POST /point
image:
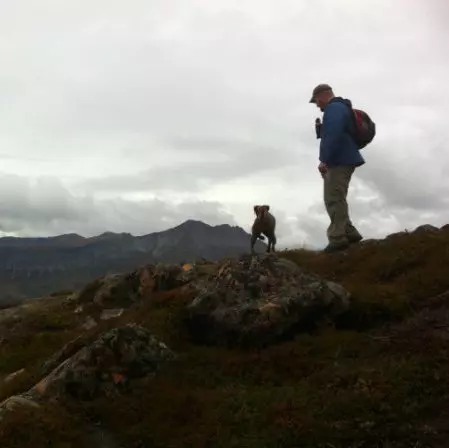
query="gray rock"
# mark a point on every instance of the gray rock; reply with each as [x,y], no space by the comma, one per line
[371,241]
[78,309]
[396,235]
[426,228]
[66,352]
[260,300]
[112,289]
[89,323]
[14,402]
[124,290]
[111,313]
[106,365]
[14,375]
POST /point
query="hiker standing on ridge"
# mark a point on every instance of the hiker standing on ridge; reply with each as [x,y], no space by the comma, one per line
[339,157]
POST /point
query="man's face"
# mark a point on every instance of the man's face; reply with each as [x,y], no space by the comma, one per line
[321,100]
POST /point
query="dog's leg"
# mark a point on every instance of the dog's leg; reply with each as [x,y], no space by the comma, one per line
[273,242]
[253,242]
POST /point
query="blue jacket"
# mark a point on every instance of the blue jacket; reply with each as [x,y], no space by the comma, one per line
[337,146]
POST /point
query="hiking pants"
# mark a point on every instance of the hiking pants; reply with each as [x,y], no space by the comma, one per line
[336,183]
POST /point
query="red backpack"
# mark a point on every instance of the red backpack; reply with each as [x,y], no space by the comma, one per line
[364,129]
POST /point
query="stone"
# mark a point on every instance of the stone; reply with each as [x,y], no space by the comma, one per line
[169,277]
[14,375]
[106,365]
[116,288]
[66,352]
[396,235]
[89,323]
[16,401]
[370,241]
[111,313]
[259,300]
[147,282]
[123,290]
[426,228]
[78,309]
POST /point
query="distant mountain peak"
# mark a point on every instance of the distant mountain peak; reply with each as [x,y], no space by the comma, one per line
[192,223]
[111,235]
[68,236]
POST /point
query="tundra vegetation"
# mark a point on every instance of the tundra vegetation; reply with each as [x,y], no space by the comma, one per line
[303,349]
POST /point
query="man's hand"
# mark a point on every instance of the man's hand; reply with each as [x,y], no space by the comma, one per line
[322,168]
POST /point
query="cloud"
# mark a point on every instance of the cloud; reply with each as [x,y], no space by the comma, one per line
[229,160]
[45,207]
[132,118]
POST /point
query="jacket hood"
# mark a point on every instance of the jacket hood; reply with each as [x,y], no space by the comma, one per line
[339,99]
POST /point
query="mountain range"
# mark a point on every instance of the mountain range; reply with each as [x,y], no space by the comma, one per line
[32,267]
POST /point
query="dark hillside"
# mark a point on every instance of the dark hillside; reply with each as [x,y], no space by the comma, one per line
[372,374]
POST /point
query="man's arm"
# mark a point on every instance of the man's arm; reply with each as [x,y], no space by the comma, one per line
[332,130]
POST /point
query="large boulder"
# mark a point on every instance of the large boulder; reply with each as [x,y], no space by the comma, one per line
[426,228]
[68,350]
[104,366]
[112,290]
[258,300]
[15,402]
[123,290]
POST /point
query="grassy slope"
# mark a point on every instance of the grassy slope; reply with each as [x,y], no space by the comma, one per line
[377,380]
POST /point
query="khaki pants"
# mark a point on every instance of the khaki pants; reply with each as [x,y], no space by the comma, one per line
[336,183]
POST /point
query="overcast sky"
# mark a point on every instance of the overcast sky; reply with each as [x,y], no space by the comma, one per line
[135,116]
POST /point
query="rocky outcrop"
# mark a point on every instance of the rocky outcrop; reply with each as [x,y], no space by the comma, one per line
[109,363]
[255,300]
[17,401]
[111,291]
[123,290]
[251,300]
[259,300]
[14,375]
[106,366]
[64,353]
[426,228]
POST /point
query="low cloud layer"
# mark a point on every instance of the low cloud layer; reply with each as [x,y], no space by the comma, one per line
[135,118]
[46,207]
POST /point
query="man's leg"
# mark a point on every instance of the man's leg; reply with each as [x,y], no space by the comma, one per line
[340,231]
[352,233]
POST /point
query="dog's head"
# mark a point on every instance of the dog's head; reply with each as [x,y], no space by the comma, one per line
[261,210]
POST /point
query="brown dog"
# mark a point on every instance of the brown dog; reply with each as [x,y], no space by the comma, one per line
[264,223]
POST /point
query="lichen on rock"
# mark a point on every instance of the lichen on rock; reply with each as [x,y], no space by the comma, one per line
[111,361]
[257,300]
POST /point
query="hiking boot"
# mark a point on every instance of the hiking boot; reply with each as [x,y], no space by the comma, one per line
[355,238]
[335,247]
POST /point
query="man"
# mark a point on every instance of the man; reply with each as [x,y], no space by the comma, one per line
[339,157]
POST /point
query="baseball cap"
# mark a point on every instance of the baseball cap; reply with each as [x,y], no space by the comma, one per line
[320,88]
